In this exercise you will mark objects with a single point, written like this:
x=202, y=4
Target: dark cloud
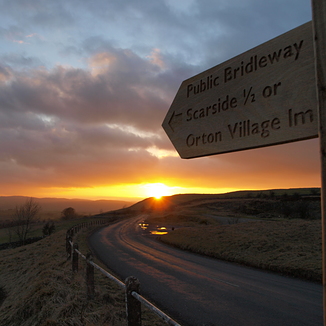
x=5, y=73
x=20, y=60
x=234, y=27
x=283, y=166
x=84, y=88
x=47, y=14
x=120, y=88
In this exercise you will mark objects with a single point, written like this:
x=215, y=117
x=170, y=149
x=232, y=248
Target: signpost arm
x=319, y=29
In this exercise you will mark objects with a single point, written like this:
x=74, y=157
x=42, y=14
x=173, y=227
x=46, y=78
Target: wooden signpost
x=272, y=94
x=319, y=35
x=263, y=97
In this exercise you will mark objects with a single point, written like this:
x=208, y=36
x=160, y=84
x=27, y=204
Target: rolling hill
x=81, y=206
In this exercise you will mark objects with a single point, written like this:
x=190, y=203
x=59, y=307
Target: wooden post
x=68, y=245
x=75, y=258
x=90, y=277
x=319, y=30
x=133, y=306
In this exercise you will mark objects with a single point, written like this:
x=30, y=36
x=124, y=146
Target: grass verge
x=38, y=288
x=290, y=247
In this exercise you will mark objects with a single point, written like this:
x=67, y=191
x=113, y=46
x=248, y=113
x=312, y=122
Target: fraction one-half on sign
x=265, y=96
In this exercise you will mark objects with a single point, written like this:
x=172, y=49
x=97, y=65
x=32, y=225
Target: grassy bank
x=9, y=234
x=289, y=247
x=276, y=234
x=37, y=288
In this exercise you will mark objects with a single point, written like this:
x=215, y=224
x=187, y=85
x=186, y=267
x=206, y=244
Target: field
x=271, y=230
x=8, y=234
x=51, y=209
x=37, y=287
x=274, y=234
x=291, y=248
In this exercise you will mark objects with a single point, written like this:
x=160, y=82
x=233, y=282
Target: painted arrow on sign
x=263, y=97
x=175, y=120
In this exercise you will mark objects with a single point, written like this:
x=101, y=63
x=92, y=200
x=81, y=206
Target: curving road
x=196, y=290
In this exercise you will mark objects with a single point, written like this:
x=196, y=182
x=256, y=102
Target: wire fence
x=131, y=285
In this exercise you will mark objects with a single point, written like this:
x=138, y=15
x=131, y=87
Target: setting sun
x=157, y=190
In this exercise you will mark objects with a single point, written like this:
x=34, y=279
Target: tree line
x=27, y=214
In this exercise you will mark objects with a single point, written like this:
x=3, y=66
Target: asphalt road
x=196, y=290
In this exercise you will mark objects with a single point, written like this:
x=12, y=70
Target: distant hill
x=81, y=206
x=186, y=199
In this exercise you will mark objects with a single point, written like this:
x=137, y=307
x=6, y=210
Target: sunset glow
x=83, y=99
x=157, y=190
x=128, y=192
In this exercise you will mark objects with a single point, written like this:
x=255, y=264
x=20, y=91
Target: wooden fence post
x=75, y=258
x=68, y=245
x=90, y=277
x=133, y=306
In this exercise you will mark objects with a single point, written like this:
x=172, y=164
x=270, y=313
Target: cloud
x=12, y=33
x=5, y=73
x=120, y=87
x=282, y=166
x=82, y=104
x=48, y=14
x=20, y=60
x=68, y=122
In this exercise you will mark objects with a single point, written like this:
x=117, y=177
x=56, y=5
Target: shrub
x=68, y=213
x=48, y=228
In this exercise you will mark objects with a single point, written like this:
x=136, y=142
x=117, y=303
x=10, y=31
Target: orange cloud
x=74, y=131
x=156, y=58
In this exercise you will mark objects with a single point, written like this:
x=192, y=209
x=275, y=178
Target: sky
x=85, y=87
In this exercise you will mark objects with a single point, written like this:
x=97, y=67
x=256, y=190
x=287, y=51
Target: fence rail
x=131, y=285
x=107, y=274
